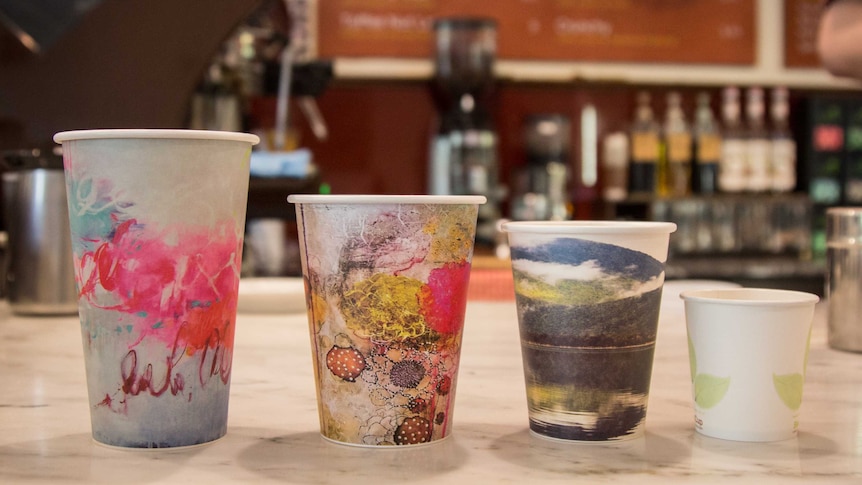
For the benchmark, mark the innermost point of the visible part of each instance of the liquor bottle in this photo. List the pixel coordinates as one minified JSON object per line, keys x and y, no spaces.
{"x":677,"y":144}
{"x":645,"y":148}
{"x":732,"y":168}
{"x":707,"y":147}
{"x":783,"y":155}
{"x":757,"y":144}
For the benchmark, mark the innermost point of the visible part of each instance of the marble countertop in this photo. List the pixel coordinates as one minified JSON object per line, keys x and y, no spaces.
{"x":273,"y":427}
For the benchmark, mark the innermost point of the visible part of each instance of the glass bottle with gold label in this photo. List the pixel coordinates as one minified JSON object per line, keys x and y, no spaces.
{"x":644,"y":149}
{"x":707,"y":147}
{"x":677,"y":139}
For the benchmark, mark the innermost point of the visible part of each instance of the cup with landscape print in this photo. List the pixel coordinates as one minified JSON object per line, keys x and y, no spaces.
{"x":588,"y":295}
{"x":386,"y":285}
{"x":748,"y":350}
{"x":157,"y":221}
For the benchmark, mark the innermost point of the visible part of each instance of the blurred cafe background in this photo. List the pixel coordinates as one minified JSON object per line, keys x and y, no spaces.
{"x":715,"y":115}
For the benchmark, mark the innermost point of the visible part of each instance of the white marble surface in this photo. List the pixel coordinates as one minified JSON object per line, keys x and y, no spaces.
{"x":273,"y":429}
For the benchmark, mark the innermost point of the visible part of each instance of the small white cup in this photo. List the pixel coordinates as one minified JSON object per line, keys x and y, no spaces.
{"x":748,"y":348}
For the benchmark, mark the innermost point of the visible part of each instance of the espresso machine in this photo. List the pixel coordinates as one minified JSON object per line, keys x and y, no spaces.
{"x":541,"y":187}
{"x":464,"y":158}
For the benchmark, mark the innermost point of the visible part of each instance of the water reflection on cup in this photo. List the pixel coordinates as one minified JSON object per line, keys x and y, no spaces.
{"x":588,"y":297}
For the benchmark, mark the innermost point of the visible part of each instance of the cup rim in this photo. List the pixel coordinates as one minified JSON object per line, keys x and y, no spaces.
{"x":589,"y":227}
{"x":384,"y":199}
{"x":750,"y":296}
{"x":147,"y":133}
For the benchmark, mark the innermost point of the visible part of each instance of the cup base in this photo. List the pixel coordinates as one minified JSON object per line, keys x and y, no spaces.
{"x":163,"y":448}
{"x":383,"y":447}
{"x":620,"y":439}
{"x":751,"y":436}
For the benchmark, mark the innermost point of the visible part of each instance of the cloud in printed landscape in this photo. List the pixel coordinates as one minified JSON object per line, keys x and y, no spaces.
{"x":580,"y":260}
{"x":590,"y":270}
{"x":552,"y":273}
{"x":644,"y":287}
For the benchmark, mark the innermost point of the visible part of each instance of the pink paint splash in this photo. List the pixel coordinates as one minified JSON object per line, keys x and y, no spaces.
{"x":182,"y":292}
{"x":444,"y":299}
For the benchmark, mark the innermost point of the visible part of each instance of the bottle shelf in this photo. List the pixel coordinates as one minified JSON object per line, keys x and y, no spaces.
{"x":738,"y":225}
{"x":378,"y":68}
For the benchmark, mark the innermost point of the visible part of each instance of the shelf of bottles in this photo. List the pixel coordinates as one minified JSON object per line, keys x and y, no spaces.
{"x":727,"y":181}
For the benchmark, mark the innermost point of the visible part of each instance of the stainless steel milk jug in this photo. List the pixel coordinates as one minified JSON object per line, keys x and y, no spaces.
{"x":844,"y":277}
{"x":39,"y":266}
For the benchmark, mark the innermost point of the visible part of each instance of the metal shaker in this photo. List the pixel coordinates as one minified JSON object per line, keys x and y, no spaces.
{"x":844,"y":277}
{"x":39,"y":266}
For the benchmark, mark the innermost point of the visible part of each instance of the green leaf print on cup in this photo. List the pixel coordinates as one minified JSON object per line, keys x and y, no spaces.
{"x":709,"y":390}
{"x":789,"y":389}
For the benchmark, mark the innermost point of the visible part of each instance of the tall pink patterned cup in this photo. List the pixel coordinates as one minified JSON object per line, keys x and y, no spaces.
{"x":157,"y":221}
{"x":386,"y":284}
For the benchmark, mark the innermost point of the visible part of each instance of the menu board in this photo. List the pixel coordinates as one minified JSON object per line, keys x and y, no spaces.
{"x":673,"y":31}
{"x":800,"y":33}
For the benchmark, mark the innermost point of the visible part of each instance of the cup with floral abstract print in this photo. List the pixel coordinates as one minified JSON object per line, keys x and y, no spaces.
{"x":386,"y":285}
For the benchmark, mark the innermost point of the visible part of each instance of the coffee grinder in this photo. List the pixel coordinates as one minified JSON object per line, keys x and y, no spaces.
{"x":463,"y":159}
{"x":541,"y":191}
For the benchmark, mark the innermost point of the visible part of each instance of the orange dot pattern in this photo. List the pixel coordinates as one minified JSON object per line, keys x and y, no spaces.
{"x":413,"y":431}
{"x":345,"y":362}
